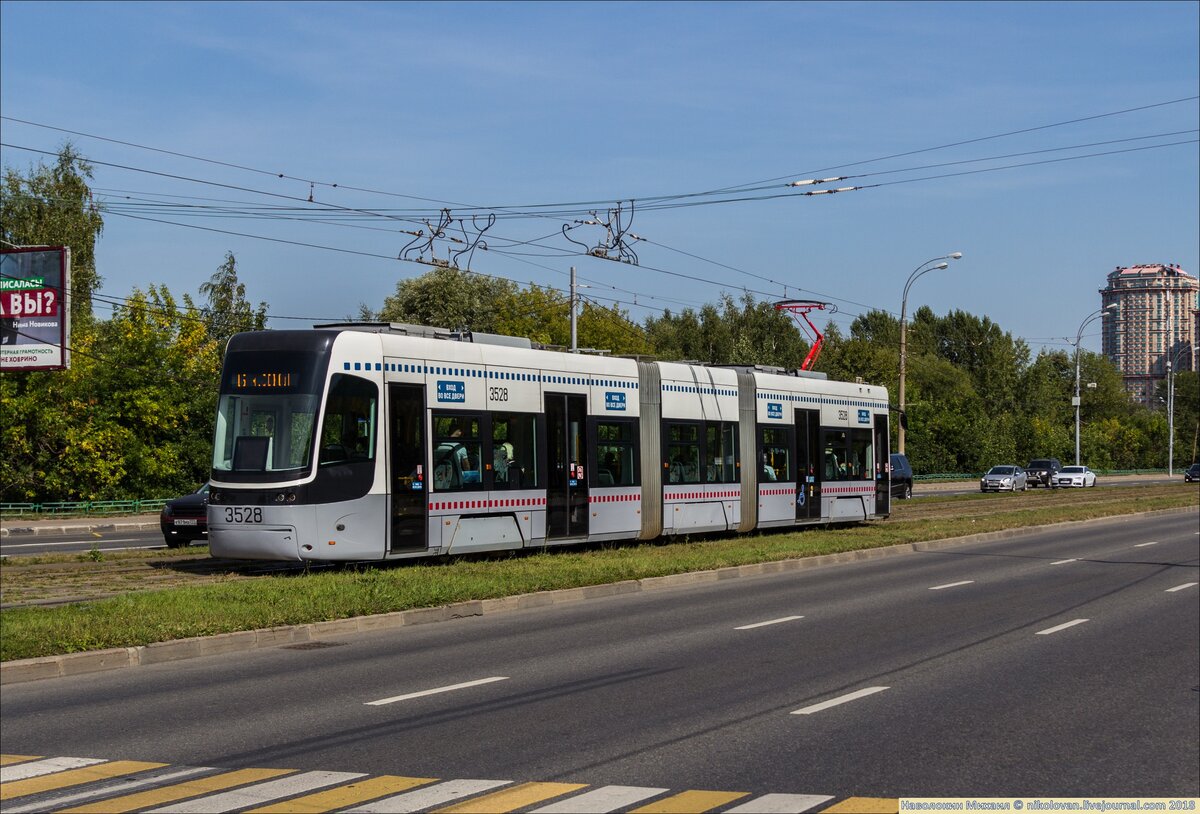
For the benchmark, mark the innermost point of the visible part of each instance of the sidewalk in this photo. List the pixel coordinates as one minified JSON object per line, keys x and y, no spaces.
{"x":78,"y":525}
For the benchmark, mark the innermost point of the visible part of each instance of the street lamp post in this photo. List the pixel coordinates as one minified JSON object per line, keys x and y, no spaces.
{"x":1171,"y":409}
{"x":1108,"y":309}
{"x":917,"y":272}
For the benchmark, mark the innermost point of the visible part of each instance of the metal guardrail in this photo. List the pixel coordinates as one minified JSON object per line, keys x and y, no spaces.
{"x":976,"y":476}
{"x":85,"y":508}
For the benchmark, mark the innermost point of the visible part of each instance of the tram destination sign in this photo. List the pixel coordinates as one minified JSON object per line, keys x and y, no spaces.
{"x":35,"y":318}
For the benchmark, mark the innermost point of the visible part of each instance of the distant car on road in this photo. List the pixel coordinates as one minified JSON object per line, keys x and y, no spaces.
{"x":185,"y":519}
{"x":902,"y":476}
{"x":1193,"y":473}
{"x":1075,"y":476}
{"x":1006,"y":478}
{"x":1042,"y":471}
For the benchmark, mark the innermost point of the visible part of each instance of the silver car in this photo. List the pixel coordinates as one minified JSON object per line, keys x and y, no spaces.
{"x":1004,"y":479}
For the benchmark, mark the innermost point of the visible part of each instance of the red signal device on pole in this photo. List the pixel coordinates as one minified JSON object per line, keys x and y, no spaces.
{"x":800,"y":309}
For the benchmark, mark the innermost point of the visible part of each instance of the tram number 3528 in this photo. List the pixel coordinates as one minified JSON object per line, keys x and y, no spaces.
{"x":243,"y":514}
{"x":498,"y":393}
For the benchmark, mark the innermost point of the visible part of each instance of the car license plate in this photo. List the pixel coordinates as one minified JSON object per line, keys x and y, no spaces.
{"x":190,"y":521}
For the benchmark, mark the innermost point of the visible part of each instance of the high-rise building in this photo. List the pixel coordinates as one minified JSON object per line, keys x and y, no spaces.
{"x":1155,"y":327}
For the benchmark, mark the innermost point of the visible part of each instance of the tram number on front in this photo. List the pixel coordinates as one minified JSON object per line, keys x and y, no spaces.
{"x":243,"y":514}
{"x":498,"y":394}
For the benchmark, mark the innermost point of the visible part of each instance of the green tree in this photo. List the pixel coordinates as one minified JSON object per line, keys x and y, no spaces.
{"x":228,"y":312}
{"x":449,"y":298}
{"x":132,"y":417}
{"x":53,"y":206}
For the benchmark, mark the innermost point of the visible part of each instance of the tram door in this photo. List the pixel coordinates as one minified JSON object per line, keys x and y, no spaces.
{"x":566,"y":449}
{"x":409,"y":469}
{"x":808,"y":464}
{"x":883,"y":480}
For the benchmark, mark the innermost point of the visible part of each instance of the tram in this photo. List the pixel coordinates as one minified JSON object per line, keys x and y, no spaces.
{"x":379,"y":441}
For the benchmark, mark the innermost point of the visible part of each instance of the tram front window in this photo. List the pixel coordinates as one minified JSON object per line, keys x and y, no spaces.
{"x":266,"y":416}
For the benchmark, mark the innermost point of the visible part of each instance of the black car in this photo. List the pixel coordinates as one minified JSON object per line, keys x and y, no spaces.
{"x":1193,"y":473}
{"x":185,"y":519}
{"x":1041,"y":471}
{"x":902,"y":477}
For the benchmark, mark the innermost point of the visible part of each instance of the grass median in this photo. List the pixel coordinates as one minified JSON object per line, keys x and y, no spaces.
{"x":234,"y":601}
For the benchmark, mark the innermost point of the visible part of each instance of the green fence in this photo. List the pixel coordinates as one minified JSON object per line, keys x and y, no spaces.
{"x":87,"y":508}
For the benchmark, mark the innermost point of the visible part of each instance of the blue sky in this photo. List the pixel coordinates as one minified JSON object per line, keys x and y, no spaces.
{"x":470,"y":105}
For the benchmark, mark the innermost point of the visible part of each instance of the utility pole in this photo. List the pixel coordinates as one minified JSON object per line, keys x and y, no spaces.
{"x":574,"y":338}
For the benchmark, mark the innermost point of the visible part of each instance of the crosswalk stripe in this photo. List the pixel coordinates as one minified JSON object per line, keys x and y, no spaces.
{"x":865,"y":805}
{"x":181,"y":791}
{"x":691,"y":802}
{"x":781,"y":804}
{"x":602,"y":800}
{"x":343,"y":796}
{"x":8,"y":760}
{"x":73,"y":777}
{"x":49,"y":765}
{"x":260,"y":793}
{"x":106,"y":788}
{"x":517,"y":797}
{"x":422,"y":799}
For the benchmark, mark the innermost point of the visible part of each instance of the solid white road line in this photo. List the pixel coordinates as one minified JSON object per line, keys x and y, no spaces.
{"x":1063,"y":626}
{"x":1063,"y":562}
{"x":435,"y":691}
{"x":772,"y":622}
{"x":74,"y":542}
{"x":1143,"y":545}
{"x":833,"y":702}
{"x":24,"y":771}
{"x":602,"y":800}
{"x":1181,"y":587}
{"x":952,"y":585}
{"x":261,"y":793}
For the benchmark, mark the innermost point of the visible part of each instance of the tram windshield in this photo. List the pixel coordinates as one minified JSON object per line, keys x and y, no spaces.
{"x":266,"y":417}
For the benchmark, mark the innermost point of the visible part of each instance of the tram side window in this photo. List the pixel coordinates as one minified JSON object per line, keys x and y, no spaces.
{"x":514,"y":451}
{"x":683,"y":453}
{"x":616,"y":453}
{"x":348,"y":426}
{"x":721,"y":449}
{"x":456,"y":458}
{"x":836,"y":454}
{"x":862,"y":455}
{"x":775,"y":461}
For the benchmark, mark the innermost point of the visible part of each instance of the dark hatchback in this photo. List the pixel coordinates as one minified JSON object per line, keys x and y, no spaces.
{"x":185,"y":519}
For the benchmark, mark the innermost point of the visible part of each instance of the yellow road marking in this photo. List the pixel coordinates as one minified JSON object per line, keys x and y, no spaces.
{"x":517,"y":797}
{"x":691,"y":802}
{"x":73,"y":777}
{"x":865,"y":805}
{"x":357,"y":792}
{"x":179,"y":791}
{"x":8,"y":760}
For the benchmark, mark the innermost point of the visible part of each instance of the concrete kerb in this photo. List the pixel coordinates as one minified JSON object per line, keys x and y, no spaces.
{"x":36,"y":669}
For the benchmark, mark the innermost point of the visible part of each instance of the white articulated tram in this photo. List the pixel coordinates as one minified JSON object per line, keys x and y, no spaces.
{"x":385,"y":441}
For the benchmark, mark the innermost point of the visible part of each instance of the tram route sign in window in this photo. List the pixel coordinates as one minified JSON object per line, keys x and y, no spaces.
{"x":35,"y":315}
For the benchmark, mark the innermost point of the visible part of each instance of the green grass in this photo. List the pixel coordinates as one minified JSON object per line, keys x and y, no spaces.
{"x":144,"y":617}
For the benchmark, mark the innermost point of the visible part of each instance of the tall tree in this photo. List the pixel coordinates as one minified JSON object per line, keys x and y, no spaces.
{"x":228,"y":312}
{"x":53,"y":206}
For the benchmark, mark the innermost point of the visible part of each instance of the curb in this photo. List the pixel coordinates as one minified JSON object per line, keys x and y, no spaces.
{"x":36,"y":669}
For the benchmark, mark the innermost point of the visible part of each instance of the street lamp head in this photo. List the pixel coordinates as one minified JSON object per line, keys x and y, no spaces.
{"x":955,"y":255}
{"x":942,"y":265}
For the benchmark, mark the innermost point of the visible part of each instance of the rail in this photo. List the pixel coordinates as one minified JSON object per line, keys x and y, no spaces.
{"x":85,"y":508}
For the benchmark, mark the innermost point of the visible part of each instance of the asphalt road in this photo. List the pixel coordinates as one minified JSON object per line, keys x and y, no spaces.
{"x":1063,"y":662}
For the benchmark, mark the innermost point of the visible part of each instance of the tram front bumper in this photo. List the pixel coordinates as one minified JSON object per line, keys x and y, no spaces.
{"x":254,"y":542}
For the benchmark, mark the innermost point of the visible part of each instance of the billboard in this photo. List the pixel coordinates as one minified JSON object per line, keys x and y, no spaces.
{"x":35,"y":313}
